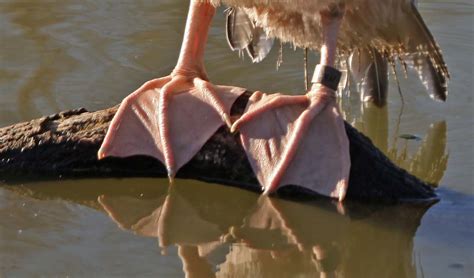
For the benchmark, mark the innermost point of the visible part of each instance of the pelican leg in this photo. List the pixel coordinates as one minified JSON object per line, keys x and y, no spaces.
{"x":163,"y":118}
{"x":300,"y":140}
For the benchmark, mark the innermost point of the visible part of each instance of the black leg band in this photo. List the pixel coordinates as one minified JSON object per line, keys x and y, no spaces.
{"x":327,"y":76}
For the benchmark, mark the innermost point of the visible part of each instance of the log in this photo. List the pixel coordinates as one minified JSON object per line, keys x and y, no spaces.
{"x":65,"y":145}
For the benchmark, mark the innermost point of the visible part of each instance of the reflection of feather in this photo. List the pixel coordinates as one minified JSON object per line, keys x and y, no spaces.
{"x":242,"y":34}
{"x":369,"y":71}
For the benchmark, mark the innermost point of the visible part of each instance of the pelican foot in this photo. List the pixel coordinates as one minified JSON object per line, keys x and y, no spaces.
{"x":297,"y":140}
{"x":169,"y":118}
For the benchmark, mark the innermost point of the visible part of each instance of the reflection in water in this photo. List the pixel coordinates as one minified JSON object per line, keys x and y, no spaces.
{"x":428,"y":160}
{"x":254,"y":236}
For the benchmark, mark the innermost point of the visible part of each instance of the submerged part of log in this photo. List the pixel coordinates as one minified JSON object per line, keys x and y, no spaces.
{"x":65,"y":145}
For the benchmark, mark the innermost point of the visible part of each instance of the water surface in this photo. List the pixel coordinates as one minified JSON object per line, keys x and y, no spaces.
{"x":58,"y":55}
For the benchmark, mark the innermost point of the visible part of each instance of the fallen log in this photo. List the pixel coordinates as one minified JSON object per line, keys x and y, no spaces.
{"x":65,"y":145}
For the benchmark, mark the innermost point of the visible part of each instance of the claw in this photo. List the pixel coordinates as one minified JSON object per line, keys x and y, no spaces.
{"x":171,"y":175}
{"x":100,"y":155}
{"x":227,"y":120}
{"x":341,"y":190}
{"x":234,"y":127}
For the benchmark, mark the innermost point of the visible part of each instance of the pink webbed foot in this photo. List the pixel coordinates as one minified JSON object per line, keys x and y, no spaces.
{"x":169,"y":118}
{"x":297,"y":140}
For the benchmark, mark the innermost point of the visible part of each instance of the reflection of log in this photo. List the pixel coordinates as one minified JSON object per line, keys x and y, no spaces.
{"x":65,"y":145}
{"x":269,"y":237}
{"x":272,"y":237}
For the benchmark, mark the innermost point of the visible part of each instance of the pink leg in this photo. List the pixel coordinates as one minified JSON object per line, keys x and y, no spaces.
{"x":275,"y":157}
{"x":159,"y":120}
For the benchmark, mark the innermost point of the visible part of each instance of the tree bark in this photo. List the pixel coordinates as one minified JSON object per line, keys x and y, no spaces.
{"x":65,"y":145}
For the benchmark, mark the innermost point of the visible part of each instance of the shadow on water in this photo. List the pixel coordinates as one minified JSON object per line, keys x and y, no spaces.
{"x":226,"y":232}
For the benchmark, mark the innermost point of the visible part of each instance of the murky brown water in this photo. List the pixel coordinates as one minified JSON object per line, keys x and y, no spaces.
{"x":57,"y":55}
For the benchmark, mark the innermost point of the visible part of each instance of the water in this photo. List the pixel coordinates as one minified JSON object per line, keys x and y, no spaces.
{"x":58,"y":55}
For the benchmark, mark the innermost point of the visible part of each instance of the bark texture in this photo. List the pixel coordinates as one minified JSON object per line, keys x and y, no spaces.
{"x":65,"y":145}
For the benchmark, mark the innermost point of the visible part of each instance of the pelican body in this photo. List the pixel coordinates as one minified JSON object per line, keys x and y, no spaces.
{"x":372,"y":34}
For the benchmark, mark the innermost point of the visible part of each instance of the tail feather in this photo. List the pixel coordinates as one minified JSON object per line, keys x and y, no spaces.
{"x":433,"y":48}
{"x":390,"y":30}
{"x":260,"y":46}
{"x":239,"y":29}
{"x":427,"y":60}
{"x":369,"y":70}
{"x":434,"y":82}
{"x":243,"y":34}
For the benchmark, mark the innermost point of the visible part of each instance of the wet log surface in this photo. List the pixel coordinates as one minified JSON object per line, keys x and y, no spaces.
{"x":65,"y":145}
